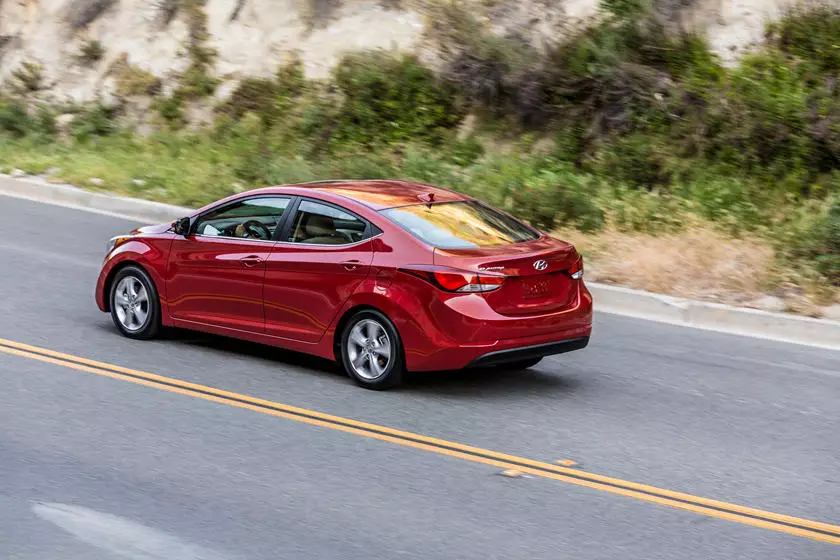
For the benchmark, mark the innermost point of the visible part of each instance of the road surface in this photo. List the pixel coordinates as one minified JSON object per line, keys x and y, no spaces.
{"x":96,"y":464}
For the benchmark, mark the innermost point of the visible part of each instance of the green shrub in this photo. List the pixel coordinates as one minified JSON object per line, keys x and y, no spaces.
{"x":543,"y":191}
{"x":825,"y":244}
{"x":91,"y":52}
{"x":390,"y":98}
{"x":810,"y":33}
{"x":558,"y":197}
{"x":811,"y":235}
{"x":28,"y":78}
{"x":423,"y":165}
{"x":92,"y":121}
{"x":172,"y":109}
{"x":14,"y":119}
{"x":291,"y":83}
{"x":196,"y":80}
{"x":133,"y":80}
{"x":252,"y":94}
{"x":266,"y":96}
{"x":45,"y":121}
{"x":502,"y":76}
{"x":625,"y":8}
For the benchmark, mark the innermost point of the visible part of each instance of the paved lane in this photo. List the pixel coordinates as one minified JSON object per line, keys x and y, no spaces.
{"x":746,"y":421}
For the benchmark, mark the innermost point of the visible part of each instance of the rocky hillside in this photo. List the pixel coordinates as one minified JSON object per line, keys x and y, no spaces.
{"x":80,"y":50}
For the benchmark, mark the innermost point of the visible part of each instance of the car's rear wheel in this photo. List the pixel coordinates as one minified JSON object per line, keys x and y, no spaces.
{"x":521,"y":364}
{"x":371,"y":351}
{"x":135,"y":306}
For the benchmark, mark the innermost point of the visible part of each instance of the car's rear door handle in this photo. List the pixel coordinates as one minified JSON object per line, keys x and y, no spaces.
{"x":351,"y":265}
{"x":251,"y":260}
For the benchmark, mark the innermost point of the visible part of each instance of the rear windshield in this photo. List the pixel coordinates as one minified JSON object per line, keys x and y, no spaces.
{"x":460,"y":225}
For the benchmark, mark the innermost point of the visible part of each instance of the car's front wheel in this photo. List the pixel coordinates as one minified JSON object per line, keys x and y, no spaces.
{"x":135,"y":306}
{"x":371,"y":351}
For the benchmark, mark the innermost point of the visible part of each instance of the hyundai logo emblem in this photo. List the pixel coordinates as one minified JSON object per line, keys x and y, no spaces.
{"x":540,"y":264}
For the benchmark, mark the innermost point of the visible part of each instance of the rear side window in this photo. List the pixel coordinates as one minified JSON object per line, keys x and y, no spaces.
{"x":320,"y":224}
{"x":460,"y":225}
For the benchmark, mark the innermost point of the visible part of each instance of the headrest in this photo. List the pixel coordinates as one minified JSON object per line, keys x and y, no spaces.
{"x":317,"y":224}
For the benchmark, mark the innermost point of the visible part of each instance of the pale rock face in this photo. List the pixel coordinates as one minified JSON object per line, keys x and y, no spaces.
{"x":264,"y":32}
{"x":253,"y":37}
{"x":41,"y":34}
{"x":733,"y":27}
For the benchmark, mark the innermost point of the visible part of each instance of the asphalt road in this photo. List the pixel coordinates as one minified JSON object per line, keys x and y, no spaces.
{"x":99,"y":468}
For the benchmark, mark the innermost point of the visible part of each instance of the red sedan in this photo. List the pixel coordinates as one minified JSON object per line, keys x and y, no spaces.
{"x":382,"y":276}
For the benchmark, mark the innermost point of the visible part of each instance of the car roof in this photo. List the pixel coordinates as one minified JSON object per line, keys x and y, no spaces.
{"x":383,"y":193}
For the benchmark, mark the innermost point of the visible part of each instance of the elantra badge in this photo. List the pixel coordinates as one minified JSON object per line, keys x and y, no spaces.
{"x":540,"y":264}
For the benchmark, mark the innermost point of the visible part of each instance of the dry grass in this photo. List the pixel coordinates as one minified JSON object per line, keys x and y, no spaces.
{"x":698,"y":263}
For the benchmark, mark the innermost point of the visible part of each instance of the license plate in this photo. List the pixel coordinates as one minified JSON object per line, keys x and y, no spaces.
{"x":533,"y":288}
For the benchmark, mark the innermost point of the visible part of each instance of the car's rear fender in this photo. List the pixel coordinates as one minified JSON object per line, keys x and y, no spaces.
{"x":419,"y":337}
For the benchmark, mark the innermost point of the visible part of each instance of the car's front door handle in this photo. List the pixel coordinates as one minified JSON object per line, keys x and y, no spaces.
{"x":351,"y":265}
{"x":251,"y":260}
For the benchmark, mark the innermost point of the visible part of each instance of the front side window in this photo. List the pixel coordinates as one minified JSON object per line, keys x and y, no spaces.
{"x":320,"y":224}
{"x":253,"y":218}
{"x":460,"y":225}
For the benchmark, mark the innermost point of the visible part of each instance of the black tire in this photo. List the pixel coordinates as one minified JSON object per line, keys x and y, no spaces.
{"x":149,"y":326}
{"x":521,"y":364}
{"x":392,"y":372}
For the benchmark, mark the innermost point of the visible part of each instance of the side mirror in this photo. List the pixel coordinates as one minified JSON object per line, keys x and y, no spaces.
{"x":181,"y":226}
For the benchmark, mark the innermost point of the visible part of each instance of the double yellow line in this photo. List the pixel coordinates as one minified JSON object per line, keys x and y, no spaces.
{"x":824,"y":532}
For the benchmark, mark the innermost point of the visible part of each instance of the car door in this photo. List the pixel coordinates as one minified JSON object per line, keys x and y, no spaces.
{"x":215,"y":274}
{"x":324,"y":255}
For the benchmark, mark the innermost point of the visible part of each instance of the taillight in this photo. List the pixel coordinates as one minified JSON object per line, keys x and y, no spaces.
{"x":452,"y":280}
{"x":576,"y":272}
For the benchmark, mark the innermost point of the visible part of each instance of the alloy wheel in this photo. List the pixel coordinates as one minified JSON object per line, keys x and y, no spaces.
{"x":131,"y":303}
{"x":369,"y":349}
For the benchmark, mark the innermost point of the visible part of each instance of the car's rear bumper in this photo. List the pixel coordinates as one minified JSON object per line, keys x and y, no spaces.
{"x":528,"y":352}
{"x":497,"y":339}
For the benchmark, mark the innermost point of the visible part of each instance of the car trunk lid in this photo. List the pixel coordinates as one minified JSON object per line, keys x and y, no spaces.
{"x":537,"y":278}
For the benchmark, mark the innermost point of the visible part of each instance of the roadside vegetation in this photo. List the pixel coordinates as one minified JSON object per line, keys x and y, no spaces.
{"x":627,"y":137}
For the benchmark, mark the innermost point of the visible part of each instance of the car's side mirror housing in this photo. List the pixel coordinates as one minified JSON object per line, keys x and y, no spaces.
{"x":181,"y":226}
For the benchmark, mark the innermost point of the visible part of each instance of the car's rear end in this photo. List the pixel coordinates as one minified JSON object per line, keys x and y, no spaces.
{"x":502,"y":292}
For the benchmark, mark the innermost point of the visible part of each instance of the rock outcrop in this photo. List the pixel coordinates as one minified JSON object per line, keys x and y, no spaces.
{"x":74,"y":46}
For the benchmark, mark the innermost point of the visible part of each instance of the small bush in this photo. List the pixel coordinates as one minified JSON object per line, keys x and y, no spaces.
{"x":196,"y":80}
{"x":96,"y":120}
{"x":266,"y":96}
{"x":291,"y":82}
{"x":45,"y":121}
{"x":28,"y":78}
{"x":172,"y":109}
{"x":14,"y":119}
{"x":252,"y":94}
{"x":91,"y":52}
{"x":132,"y":80}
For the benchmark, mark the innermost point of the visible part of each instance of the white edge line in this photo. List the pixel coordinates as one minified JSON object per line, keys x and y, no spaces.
{"x":709,"y":328}
{"x":77,"y":207}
